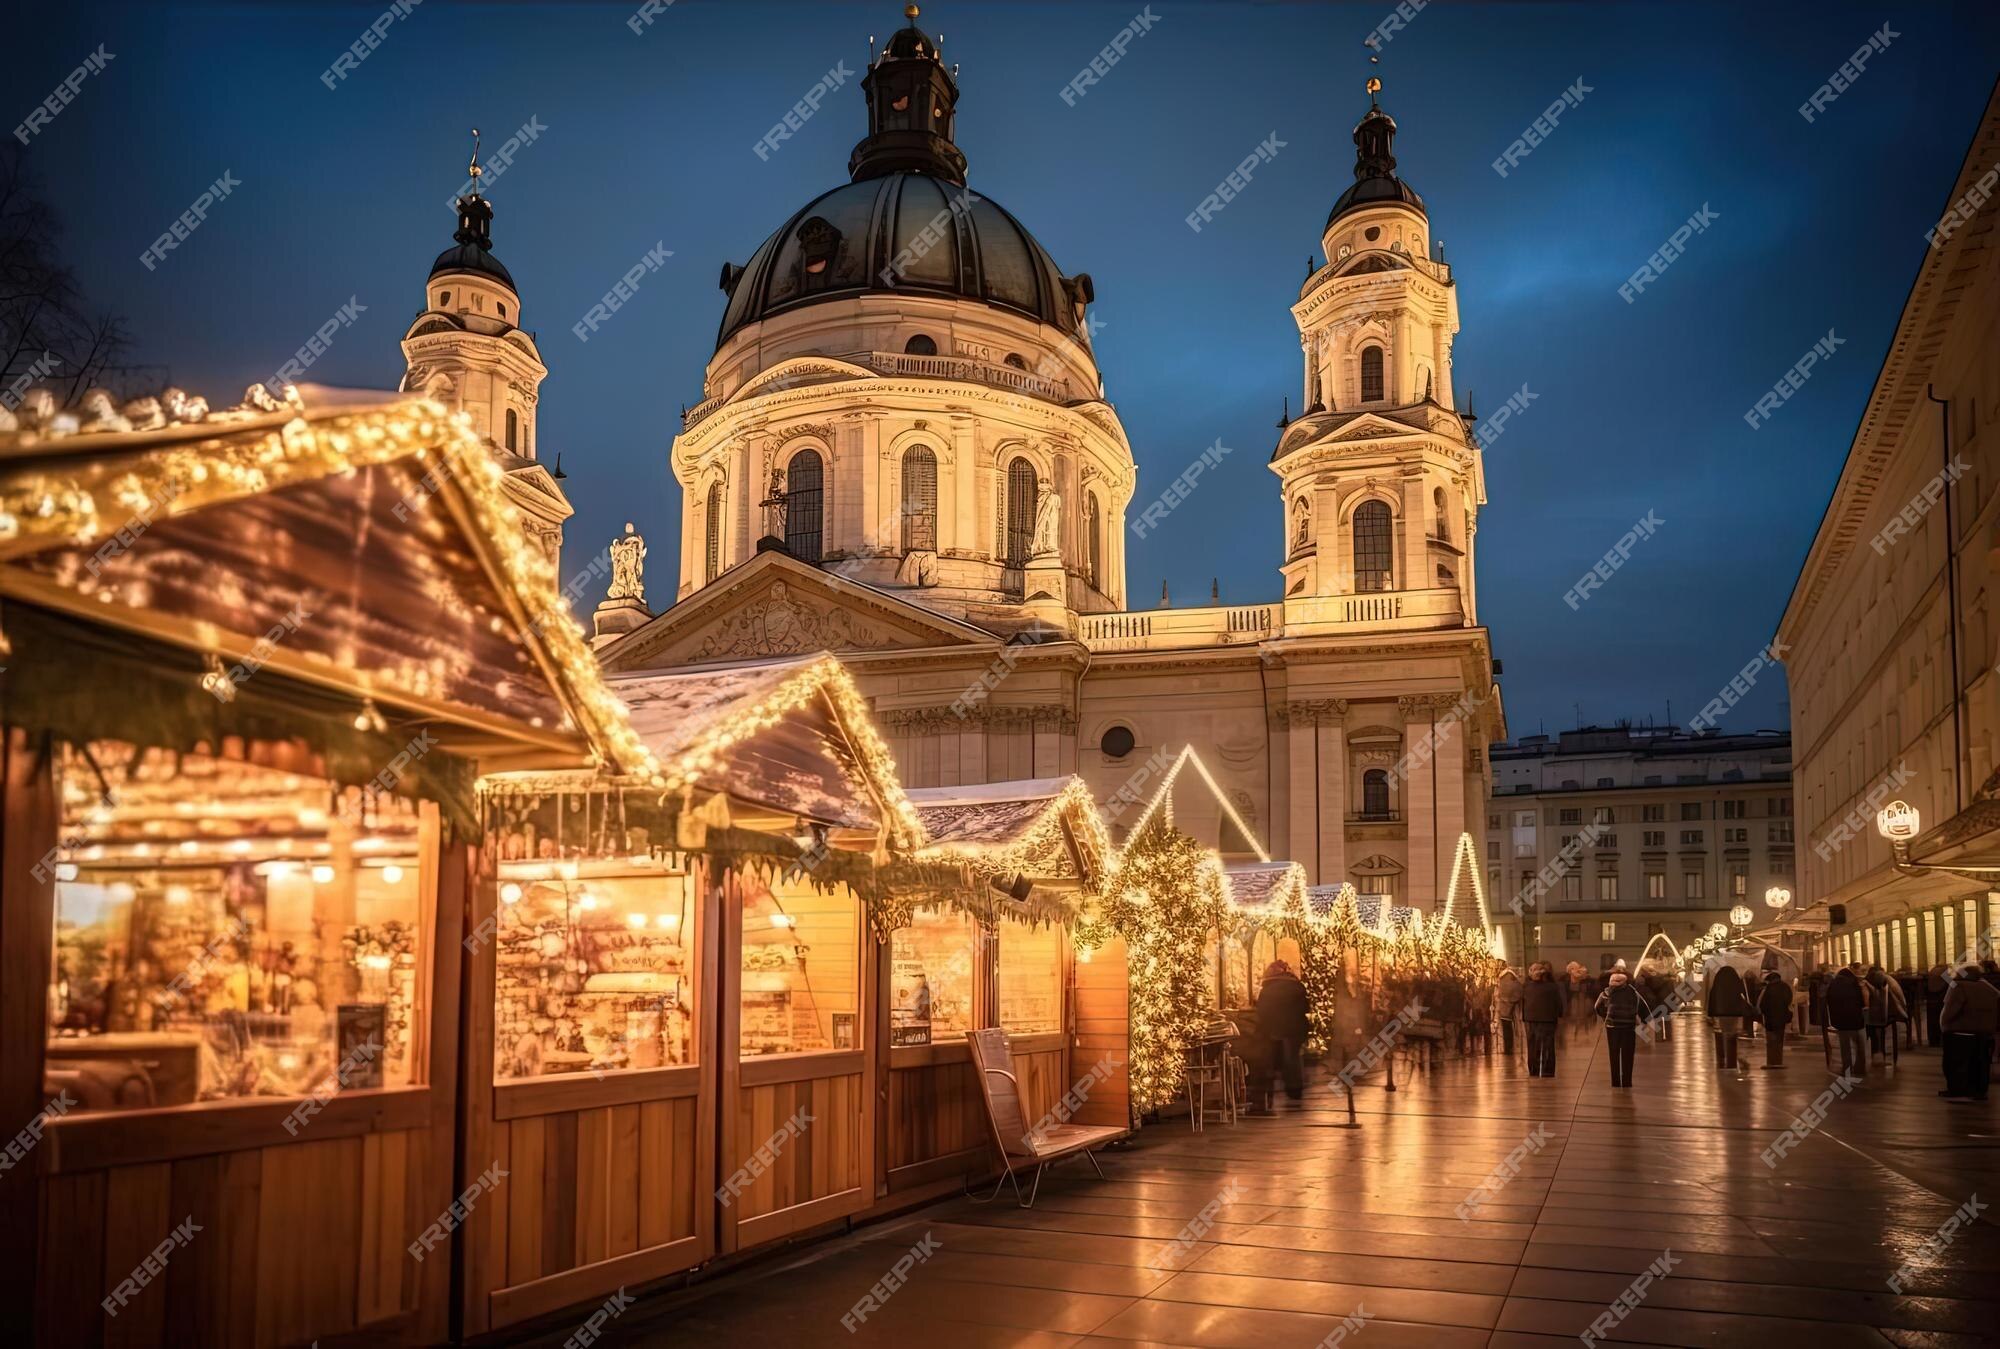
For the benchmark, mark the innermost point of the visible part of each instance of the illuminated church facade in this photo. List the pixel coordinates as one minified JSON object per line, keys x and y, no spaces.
{"x":904,"y":454}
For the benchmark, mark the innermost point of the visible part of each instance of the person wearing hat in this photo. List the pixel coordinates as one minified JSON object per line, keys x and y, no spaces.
{"x":1621,"y":1005}
{"x":1969,"y":1017}
{"x":1774,"y":1009}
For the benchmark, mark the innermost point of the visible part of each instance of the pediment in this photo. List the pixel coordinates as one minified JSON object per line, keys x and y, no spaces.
{"x":775,"y":605}
{"x":1379,"y":864}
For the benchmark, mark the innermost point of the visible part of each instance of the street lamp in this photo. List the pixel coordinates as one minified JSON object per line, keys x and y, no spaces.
{"x":1898,"y":821}
{"x":1719,"y":931}
{"x":1777,"y":897}
{"x":1741,"y":915}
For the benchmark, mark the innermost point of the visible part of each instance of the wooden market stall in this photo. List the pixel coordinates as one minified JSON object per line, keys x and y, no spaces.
{"x":256,"y":661}
{"x":998,"y":953}
{"x":673,"y":1034}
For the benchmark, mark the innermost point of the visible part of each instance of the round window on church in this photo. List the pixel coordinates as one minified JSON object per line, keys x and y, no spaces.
{"x":1117,"y":742}
{"x":1372,"y":233}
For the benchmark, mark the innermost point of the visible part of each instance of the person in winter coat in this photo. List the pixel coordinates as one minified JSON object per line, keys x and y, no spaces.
{"x":1282,"y":1008}
{"x":1969,"y":1017}
{"x":1879,"y":1009}
{"x":1728,"y":1007}
{"x":1937,"y":983}
{"x":1658,"y":987}
{"x":1847,"y":1014}
{"x":1542,"y":1009}
{"x":1507,"y":1003}
{"x":1621,"y":1005}
{"x":1774,"y":1009}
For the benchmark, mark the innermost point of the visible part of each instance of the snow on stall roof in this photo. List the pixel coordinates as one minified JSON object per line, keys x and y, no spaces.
{"x":673,"y":709}
{"x":1251,"y":884}
{"x":992,"y":812}
{"x":1368,"y":908}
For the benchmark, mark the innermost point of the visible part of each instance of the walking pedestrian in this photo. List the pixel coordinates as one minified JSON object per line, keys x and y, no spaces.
{"x":1658,"y":987}
{"x":1847,"y":1013}
{"x":1282,"y":1021}
{"x":1621,"y":1005}
{"x":1937,"y":983}
{"x":1880,"y":997}
{"x":1774,"y":1007}
{"x":1541,"y":1009}
{"x":1728,"y":1007}
{"x":1507,"y":1003}
{"x":1970,"y":1014}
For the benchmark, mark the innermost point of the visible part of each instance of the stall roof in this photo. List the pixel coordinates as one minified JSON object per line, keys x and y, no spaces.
{"x":361,"y":548}
{"x":1045,"y":828}
{"x":1260,"y":885}
{"x":791,"y":735}
{"x":1368,"y":908}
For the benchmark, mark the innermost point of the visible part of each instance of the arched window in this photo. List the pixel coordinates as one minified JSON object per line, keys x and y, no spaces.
{"x":1017,"y":360}
{"x":1093,"y":540}
{"x":713,"y":525}
{"x":919,"y":500}
{"x":1375,"y":794}
{"x":513,"y":428}
{"x":1020,"y":511}
{"x":805,"y":501}
{"x":1371,"y":375}
{"x":1437,"y":503}
{"x":503,"y":310}
{"x":1373,"y":546}
{"x":444,"y":299}
{"x":920,"y":345}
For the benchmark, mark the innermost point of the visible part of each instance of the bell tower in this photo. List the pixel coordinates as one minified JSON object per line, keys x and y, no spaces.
{"x":1381,"y":480}
{"x":912,"y":108}
{"x":468,"y":350}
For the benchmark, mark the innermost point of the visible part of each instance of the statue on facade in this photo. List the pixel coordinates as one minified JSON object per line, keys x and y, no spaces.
{"x":628,"y":560}
{"x":1048,"y":517}
{"x":1303,"y":535}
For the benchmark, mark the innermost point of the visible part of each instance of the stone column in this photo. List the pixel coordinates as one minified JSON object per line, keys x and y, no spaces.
{"x":1302,"y":788}
{"x":1448,"y":763}
{"x":1332,"y":868}
{"x":1419,"y":807}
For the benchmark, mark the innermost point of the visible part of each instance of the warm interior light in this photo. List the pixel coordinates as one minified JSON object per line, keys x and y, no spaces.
{"x":65,"y":871}
{"x":567,"y":870}
{"x":666,"y":920}
{"x":239,"y":845}
{"x":392,"y":874}
{"x":783,"y":920}
{"x":510,"y":893}
{"x":179,"y":894}
{"x":586,"y":900}
{"x":635,"y":920}
{"x":323,"y":874}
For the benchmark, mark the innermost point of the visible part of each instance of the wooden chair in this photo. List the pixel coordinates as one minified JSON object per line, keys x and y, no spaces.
{"x":1019,"y":1145}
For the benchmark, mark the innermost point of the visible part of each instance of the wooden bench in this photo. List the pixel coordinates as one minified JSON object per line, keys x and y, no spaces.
{"x":1020,"y":1146}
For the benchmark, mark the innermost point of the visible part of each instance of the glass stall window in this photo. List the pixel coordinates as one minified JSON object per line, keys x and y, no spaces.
{"x":930,"y":978}
{"x":594,"y":969}
{"x":225,"y":931}
{"x":1031,"y":978}
{"x":801,"y":975}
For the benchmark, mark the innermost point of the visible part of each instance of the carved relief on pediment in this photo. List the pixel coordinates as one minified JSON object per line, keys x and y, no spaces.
{"x":781,"y":622}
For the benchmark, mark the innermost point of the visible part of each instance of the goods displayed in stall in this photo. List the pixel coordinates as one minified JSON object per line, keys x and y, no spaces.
{"x":1031,"y":977}
{"x":931,"y":978}
{"x":227,"y":931}
{"x":801,"y":968}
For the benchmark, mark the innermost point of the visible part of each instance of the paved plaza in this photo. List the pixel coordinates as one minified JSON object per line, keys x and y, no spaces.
{"x":1320,"y":1235}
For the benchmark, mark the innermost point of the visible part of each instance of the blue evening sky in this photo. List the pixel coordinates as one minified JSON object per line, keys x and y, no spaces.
{"x":1638,"y":407}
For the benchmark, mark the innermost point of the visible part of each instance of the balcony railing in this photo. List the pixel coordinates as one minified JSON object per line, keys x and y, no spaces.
{"x":1165,"y":628}
{"x":1376,"y":817}
{"x":970,"y":369}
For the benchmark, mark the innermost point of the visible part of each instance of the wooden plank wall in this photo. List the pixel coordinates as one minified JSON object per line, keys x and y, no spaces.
{"x":829,"y":1158}
{"x":934,"y":1111}
{"x":293,"y":1243}
{"x":585,"y":1186}
{"x":1102,"y":1029}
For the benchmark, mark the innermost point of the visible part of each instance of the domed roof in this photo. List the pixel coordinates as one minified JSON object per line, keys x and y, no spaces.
{"x":472,"y":258}
{"x":1375,"y":180}
{"x":902,"y":232}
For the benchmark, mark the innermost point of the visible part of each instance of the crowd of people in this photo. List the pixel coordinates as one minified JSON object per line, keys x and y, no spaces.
{"x":1864,"y":1009}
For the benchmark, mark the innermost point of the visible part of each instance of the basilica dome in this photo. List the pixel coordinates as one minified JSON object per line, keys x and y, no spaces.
{"x":903,"y":231}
